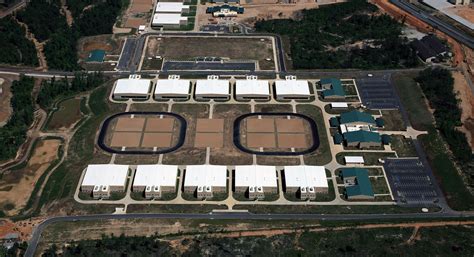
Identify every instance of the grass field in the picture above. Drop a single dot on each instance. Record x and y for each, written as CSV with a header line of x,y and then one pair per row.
x,y
413,100
323,154
68,113
403,146
393,120
179,48
63,181
451,183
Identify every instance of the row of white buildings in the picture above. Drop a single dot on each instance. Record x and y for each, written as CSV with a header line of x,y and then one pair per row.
x,y
212,88
169,15
255,181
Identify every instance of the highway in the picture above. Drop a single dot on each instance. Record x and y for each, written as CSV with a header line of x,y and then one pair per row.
x,y
435,23
33,243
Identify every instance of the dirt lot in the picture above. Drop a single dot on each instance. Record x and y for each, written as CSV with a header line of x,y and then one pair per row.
x,y
188,153
5,108
465,12
229,154
16,186
138,13
254,12
179,48
111,44
143,132
467,105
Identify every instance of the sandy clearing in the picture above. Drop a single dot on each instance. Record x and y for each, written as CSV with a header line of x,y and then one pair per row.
x,y
44,154
466,104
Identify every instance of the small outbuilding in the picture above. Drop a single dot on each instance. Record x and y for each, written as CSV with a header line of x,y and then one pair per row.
x,y
362,139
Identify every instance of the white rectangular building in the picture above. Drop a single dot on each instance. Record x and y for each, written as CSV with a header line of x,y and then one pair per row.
x,y
257,179
172,88
205,180
212,88
292,89
354,159
169,20
132,88
252,88
155,179
102,179
306,180
339,105
171,7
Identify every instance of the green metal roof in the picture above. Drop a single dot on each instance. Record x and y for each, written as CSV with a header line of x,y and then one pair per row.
x,y
356,116
96,56
363,185
362,136
336,87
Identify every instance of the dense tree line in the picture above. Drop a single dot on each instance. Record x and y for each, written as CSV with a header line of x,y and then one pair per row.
x,y
43,18
61,50
46,22
112,246
346,35
15,48
54,88
101,18
13,134
437,84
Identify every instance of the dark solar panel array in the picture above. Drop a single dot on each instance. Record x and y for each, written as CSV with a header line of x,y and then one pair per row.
x,y
410,181
377,94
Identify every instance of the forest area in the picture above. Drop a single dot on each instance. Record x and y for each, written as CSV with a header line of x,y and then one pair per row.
x,y
437,84
15,48
437,241
55,88
47,23
353,34
13,134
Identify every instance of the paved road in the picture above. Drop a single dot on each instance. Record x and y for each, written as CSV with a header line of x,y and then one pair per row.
x,y
33,243
435,22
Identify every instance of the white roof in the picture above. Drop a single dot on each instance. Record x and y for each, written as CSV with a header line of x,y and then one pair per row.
x,y
339,105
252,87
170,7
212,87
105,175
306,176
156,175
168,18
354,159
172,87
206,175
292,87
132,86
255,175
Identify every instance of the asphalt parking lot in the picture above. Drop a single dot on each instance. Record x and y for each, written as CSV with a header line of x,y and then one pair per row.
x,y
127,53
208,65
410,181
377,93
215,28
